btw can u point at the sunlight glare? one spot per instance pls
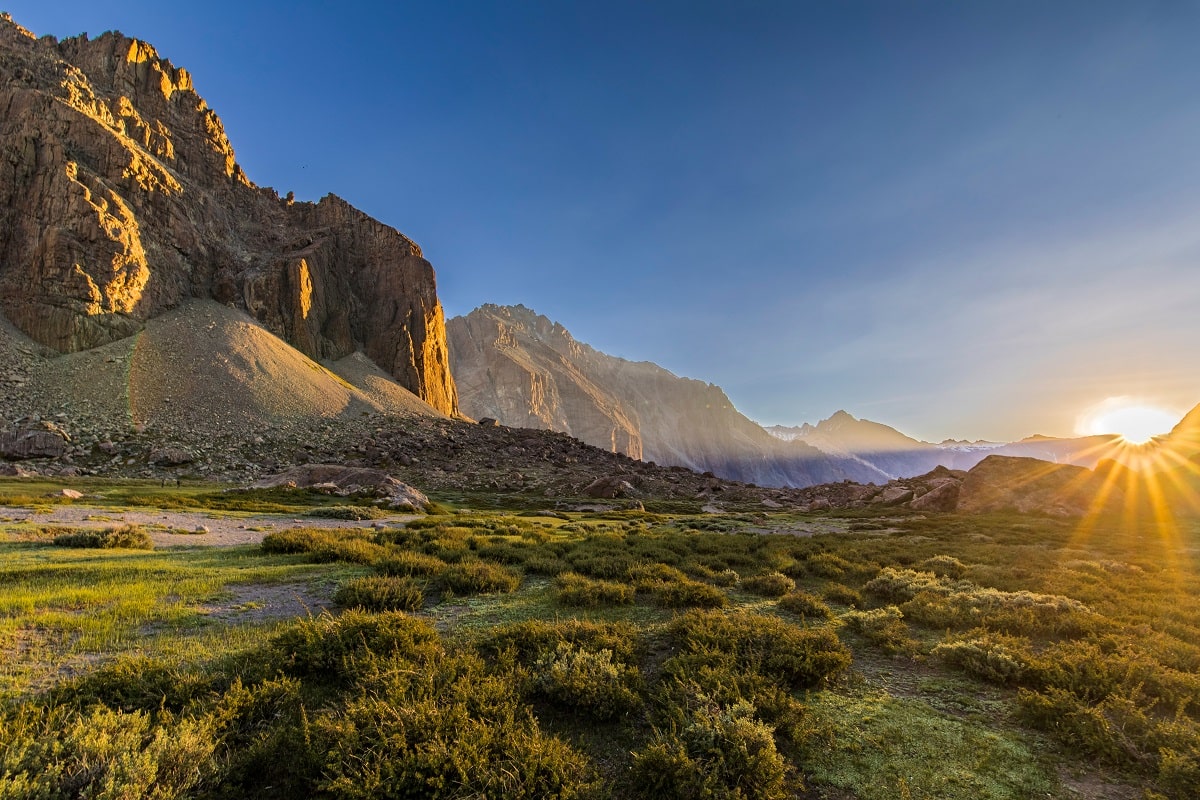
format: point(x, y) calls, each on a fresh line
point(1136, 423)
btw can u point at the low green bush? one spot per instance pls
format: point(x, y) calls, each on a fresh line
point(102, 753)
point(134, 683)
point(479, 577)
point(884, 627)
point(993, 657)
point(690, 594)
point(945, 566)
point(767, 645)
point(325, 545)
point(805, 604)
point(534, 640)
point(354, 513)
point(404, 562)
point(769, 584)
point(588, 681)
point(126, 537)
point(722, 754)
point(337, 647)
point(843, 595)
point(573, 589)
point(380, 593)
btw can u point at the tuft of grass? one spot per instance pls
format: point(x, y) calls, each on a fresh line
point(572, 589)
point(380, 593)
point(126, 537)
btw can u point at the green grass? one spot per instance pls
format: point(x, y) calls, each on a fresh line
point(882, 747)
point(982, 658)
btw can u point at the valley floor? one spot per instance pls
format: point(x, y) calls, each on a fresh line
point(335, 651)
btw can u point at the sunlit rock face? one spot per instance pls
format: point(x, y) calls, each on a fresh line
point(520, 368)
point(120, 196)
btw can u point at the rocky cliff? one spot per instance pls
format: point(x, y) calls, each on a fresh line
point(520, 368)
point(120, 197)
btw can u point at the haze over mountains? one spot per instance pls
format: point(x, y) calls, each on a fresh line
point(522, 369)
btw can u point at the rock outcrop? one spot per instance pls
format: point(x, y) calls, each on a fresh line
point(120, 197)
point(344, 481)
point(1007, 483)
point(520, 368)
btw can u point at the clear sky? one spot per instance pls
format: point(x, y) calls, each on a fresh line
point(964, 219)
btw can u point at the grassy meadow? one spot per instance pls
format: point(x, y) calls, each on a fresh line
point(663, 654)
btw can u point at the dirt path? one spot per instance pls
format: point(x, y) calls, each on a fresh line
point(168, 528)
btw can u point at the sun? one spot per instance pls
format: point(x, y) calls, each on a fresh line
point(1135, 422)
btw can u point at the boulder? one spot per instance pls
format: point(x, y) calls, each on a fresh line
point(940, 498)
point(41, 440)
point(346, 481)
point(609, 487)
point(893, 495)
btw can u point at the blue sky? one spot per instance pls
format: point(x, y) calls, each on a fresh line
point(961, 219)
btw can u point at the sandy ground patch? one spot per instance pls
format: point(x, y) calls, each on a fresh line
point(183, 528)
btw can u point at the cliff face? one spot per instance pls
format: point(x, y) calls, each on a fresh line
point(120, 196)
point(526, 371)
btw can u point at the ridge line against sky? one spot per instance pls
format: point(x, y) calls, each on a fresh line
point(962, 220)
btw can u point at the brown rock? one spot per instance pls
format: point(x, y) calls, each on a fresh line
point(943, 497)
point(1006, 483)
point(21, 443)
point(893, 496)
point(346, 481)
point(170, 456)
point(121, 197)
point(609, 487)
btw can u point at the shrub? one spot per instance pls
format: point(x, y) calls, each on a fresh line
point(479, 577)
point(945, 566)
point(441, 728)
point(726, 577)
point(404, 562)
point(884, 627)
point(126, 537)
point(328, 646)
point(295, 540)
point(134, 683)
point(801, 657)
point(652, 576)
point(588, 680)
point(355, 513)
point(380, 593)
point(533, 640)
point(545, 564)
point(572, 589)
point(826, 565)
point(769, 584)
point(806, 605)
point(350, 550)
point(993, 657)
point(104, 753)
point(842, 594)
point(608, 565)
point(723, 754)
point(690, 594)
point(324, 545)
point(901, 585)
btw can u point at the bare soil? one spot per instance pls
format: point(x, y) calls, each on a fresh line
point(180, 528)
